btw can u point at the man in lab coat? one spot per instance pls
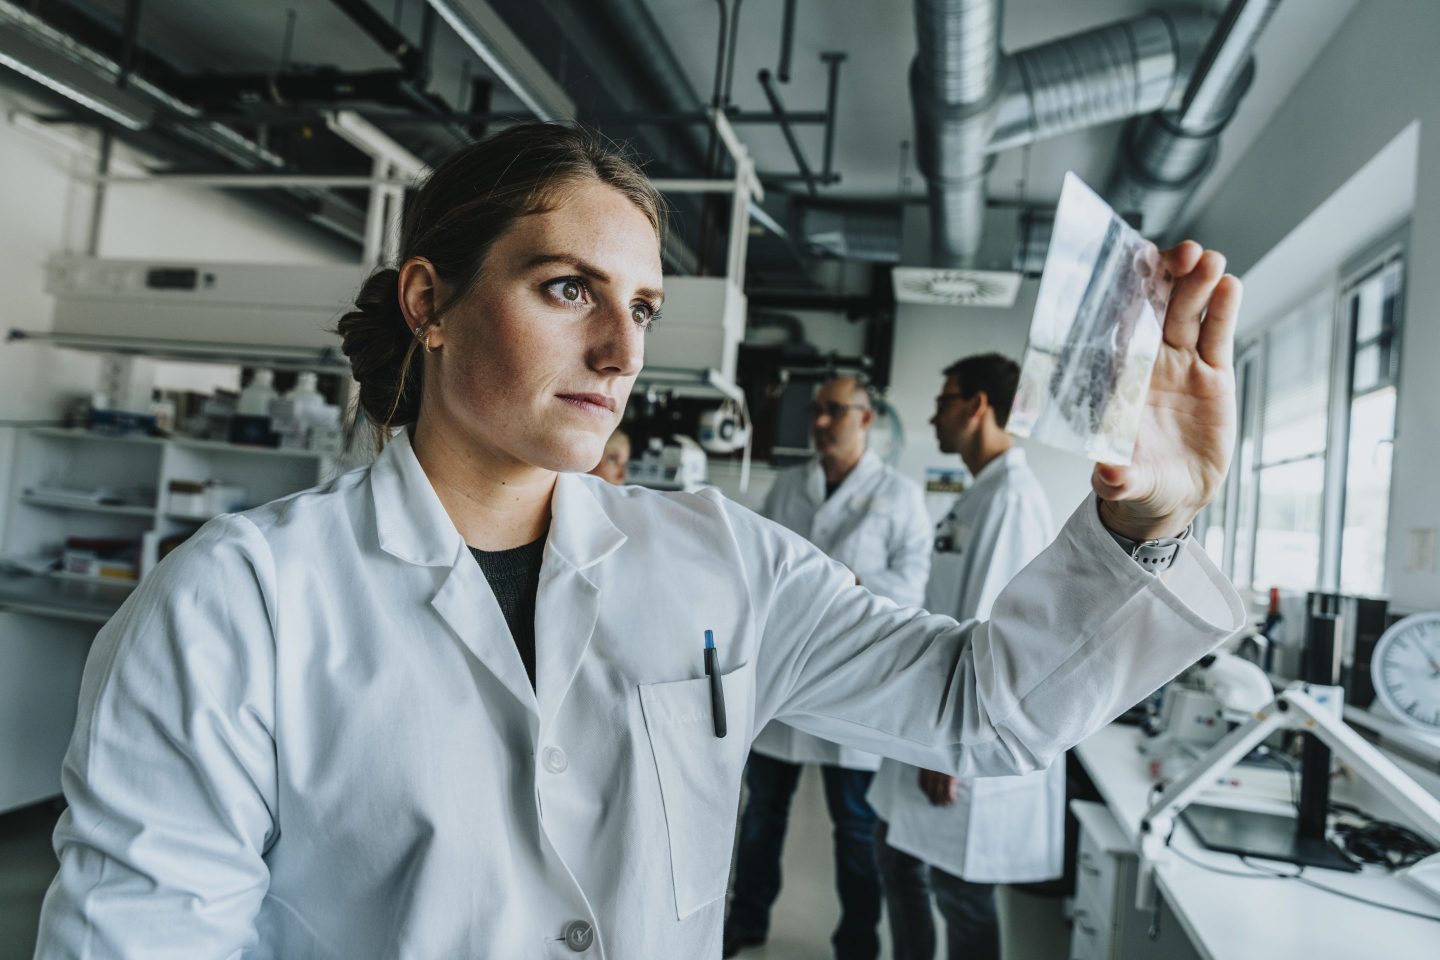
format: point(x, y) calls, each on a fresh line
point(960, 837)
point(864, 514)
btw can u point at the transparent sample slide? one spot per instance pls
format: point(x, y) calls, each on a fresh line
point(1095, 333)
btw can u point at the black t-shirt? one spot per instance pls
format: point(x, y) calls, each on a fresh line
point(514, 575)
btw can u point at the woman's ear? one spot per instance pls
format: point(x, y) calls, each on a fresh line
point(419, 286)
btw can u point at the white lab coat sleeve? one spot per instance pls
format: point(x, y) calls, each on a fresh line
point(1080, 635)
point(907, 564)
point(170, 774)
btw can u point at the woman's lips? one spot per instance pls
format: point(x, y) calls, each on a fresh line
point(593, 403)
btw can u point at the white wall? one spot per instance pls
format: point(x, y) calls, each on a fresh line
point(929, 339)
point(44, 208)
point(1375, 78)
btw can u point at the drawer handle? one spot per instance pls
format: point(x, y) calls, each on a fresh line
point(1093, 871)
point(1088, 929)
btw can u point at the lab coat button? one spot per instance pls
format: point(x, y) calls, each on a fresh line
point(555, 760)
point(579, 935)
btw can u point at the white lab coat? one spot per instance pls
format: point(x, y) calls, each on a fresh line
point(1000, 829)
point(875, 523)
point(309, 734)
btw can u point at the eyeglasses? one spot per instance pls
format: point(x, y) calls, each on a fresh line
point(833, 410)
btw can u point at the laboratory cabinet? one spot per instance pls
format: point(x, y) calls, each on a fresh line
point(78, 484)
point(1104, 922)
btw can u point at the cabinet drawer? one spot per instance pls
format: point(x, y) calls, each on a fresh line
point(1090, 936)
point(1095, 874)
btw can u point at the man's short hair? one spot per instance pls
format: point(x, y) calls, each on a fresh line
point(995, 373)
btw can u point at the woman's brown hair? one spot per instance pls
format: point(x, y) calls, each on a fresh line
point(454, 219)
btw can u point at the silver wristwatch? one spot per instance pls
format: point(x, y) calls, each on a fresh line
point(1152, 555)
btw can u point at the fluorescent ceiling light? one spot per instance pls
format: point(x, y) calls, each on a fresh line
point(54, 71)
point(493, 42)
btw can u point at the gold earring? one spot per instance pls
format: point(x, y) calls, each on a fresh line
point(423, 332)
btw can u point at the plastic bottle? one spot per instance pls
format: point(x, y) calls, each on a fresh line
point(305, 393)
point(255, 398)
point(1271, 628)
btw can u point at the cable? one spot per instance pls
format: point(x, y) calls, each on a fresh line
point(1262, 874)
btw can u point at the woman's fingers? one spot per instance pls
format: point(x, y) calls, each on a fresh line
point(1181, 258)
point(1189, 299)
point(1216, 343)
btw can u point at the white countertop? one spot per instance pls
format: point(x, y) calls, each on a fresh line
point(1237, 918)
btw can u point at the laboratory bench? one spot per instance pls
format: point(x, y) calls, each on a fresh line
point(1217, 906)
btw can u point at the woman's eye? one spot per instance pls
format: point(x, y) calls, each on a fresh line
point(644, 314)
point(569, 290)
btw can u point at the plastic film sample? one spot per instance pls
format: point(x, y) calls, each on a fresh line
point(1095, 333)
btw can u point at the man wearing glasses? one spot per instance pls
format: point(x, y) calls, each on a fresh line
point(863, 514)
point(958, 838)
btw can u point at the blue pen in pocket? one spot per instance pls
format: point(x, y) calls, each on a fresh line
point(717, 690)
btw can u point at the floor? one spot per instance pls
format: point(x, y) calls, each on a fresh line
point(1033, 928)
point(27, 865)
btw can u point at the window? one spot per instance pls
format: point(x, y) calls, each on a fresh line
point(1290, 470)
point(1307, 502)
point(1370, 307)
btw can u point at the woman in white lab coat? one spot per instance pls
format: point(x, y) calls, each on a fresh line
point(316, 730)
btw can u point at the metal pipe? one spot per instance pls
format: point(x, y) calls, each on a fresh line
point(1112, 72)
point(292, 118)
point(383, 32)
point(954, 84)
point(730, 57)
point(770, 94)
point(832, 59)
point(1165, 157)
point(427, 44)
point(787, 41)
point(102, 163)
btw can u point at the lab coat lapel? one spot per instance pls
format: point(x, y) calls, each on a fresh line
point(856, 480)
point(568, 602)
point(413, 526)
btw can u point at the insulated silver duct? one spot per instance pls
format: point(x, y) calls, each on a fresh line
point(1112, 72)
point(954, 85)
point(971, 100)
point(1165, 156)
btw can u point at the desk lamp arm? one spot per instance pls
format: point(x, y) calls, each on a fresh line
point(1294, 709)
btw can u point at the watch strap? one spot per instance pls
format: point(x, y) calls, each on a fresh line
point(1153, 556)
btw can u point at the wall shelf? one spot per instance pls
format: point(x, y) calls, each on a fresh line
point(56, 503)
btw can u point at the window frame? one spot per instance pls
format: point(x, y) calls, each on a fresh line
point(1251, 359)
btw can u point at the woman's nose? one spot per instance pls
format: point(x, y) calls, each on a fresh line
point(619, 346)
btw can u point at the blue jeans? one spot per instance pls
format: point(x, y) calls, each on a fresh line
point(972, 928)
point(762, 834)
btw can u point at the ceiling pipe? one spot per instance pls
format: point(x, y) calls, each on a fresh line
point(972, 101)
point(1166, 155)
point(1113, 72)
point(955, 83)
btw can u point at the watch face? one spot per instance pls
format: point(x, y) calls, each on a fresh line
point(1405, 669)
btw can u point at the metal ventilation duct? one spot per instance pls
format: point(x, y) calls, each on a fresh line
point(1165, 156)
point(1112, 72)
point(954, 86)
point(971, 100)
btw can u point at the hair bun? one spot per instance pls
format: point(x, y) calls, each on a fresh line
point(378, 342)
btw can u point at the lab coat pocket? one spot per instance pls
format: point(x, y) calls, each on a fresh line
point(699, 777)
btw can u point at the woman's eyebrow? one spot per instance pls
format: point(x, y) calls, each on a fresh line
point(586, 269)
